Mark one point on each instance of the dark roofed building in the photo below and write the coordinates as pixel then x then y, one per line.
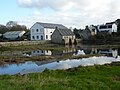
pixel 63 36
pixel 51 25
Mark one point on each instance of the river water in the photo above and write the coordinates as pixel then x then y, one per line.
pixel 39 66
pixel 109 55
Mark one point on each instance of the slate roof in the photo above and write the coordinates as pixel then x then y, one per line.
pixel 65 32
pixel 13 33
pixel 50 25
pixel 110 23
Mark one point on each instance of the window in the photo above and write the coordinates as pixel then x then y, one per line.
pixel 103 27
pixel 37 30
pixel 37 37
pixel 46 36
pixel 38 51
pixel 41 51
pixel 110 26
pixel 41 37
pixel 33 37
pixel 33 51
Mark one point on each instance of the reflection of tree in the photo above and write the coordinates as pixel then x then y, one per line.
pixel 4 66
pixel 87 51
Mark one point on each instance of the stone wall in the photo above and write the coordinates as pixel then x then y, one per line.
pixel 15 43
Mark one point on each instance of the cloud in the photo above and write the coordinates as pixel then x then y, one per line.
pixel 25 3
pixel 76 13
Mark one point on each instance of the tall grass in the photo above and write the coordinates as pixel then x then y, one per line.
pixel 105 77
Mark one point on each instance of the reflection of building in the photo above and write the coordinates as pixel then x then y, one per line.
pixel 41 52
pixel 107 52
pixel 119 51
pixel 79 52
pixel 37 53
pixel 69 50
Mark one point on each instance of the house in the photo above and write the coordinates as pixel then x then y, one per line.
pixel 63 36
pixel 108 27
pixel 13 35
pixel 43 31
pixel 88 32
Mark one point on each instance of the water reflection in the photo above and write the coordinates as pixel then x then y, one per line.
pixel 78 50
pixel 112 52
pixel 39 66
pixel 106 52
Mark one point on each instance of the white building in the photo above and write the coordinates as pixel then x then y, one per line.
pixel 108 27
pixel 43 31
pixel 12 35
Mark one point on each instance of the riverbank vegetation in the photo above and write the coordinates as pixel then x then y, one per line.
pixel 103 39
pixel 106 77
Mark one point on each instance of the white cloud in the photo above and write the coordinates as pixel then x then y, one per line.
pixel 73 12
pixel 25 3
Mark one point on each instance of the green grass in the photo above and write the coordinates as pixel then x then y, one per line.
pixel 32 47
pixel 105 77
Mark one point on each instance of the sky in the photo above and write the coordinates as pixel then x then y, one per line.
pixel 71 13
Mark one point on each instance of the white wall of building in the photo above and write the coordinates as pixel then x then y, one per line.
pixel 37 32
pixel 48 33
pixel 40 33
pixel 112 29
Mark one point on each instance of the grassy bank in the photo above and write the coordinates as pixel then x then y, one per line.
pixel 32 47
pixel 105 77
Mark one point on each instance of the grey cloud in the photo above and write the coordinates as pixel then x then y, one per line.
pixel 75 12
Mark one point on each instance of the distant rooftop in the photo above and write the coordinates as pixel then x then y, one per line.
pixel 51 25
pixel 13 32
pixel 110 22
